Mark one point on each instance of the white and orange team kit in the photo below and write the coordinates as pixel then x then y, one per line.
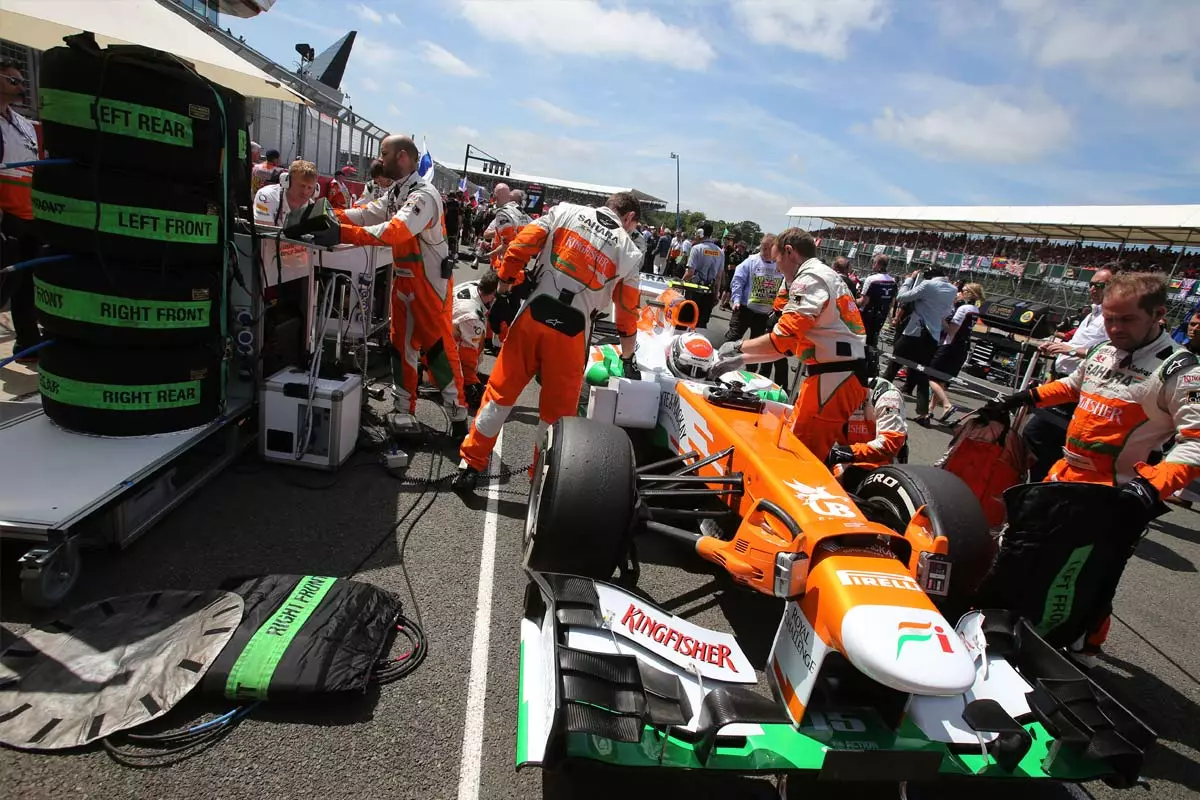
pixel 585 263
pixel 877 430
pixel 409 220
pixel 508 221
pixel 820 324
pixel 1128 405
pixel 469 316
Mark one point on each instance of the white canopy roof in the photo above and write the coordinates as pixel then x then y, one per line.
pixel 579 186
pixel 1159 225
pixel 42 24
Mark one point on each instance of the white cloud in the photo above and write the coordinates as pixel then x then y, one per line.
pixel 954 121
pixel 392 18
pixel 735 202
pixel 821 27
pixel 585 28
pixel 465 132
pixel 366 12
pixel 403 88
pixel 980 126
pixel 441 58
pixel 369 84
pixel 555 115
pixel 374 52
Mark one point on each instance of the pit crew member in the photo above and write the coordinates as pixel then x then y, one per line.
pixel 877 430
pixel 705 263
pixel 820 323
pixel 509 219
pixel 376 187
pixel 296 188
pixel 338 195
pixel 260 175
pixel 1046 432
pixel 409 219
pixel 1132 393
pixel 472 300
pixel 18 239
pixel 586 259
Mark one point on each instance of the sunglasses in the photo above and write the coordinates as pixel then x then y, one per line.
pixel 1098 284
pixel 14 81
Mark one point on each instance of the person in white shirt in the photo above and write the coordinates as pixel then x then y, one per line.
pixel 296 189
pixel 952 352
pixel 1046 432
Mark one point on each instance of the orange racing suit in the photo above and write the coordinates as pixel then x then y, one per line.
pixel 821 325
pixel 877 430
pixel 585 261
pixel 470 327
pixel 409 219
pixel 1129 404
pixel 509 220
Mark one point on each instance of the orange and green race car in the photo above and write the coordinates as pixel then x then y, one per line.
pixel 880 669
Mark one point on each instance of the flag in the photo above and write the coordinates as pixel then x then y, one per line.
pixel 478 194
pixel 462 185
pixel 425 166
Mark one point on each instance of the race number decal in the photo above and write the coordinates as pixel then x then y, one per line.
pixel 763 289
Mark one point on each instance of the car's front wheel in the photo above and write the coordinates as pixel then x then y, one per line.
pixel 582 499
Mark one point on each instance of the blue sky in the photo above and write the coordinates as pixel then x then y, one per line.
pixel 775 103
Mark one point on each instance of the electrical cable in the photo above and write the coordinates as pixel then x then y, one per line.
pixel 152 748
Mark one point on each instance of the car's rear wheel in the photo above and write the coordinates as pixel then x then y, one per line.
pixel 582 499
pixel 892 495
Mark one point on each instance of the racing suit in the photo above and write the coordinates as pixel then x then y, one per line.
pixel 509 220
pixel 371 192
pixel 585 260
pixel 338 195
pixel 821 325
pixel 879 291
pixel 409 219
pixel 470 326
pixel 877 430
pixel 1129 404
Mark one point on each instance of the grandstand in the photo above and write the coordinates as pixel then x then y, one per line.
pixel 1042 253
pixel 558 190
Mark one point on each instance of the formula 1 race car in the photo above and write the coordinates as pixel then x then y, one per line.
pixel 870 678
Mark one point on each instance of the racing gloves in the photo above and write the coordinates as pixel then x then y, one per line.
pixel 729 359
pixel 1140 501
pixel 839 454
pixel 630 368
pixel 1000 408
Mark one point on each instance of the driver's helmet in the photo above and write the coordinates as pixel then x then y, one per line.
pixel 690 356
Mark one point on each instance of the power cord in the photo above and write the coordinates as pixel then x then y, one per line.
pixel 152 748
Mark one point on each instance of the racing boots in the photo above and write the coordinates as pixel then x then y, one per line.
pixel 466 480
pixel 458 430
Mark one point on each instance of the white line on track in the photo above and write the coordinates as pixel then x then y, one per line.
pixel 472 744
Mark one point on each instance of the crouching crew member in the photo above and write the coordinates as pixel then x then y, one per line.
pixel 877 431
pixel 586 259
pixel 409 220
pixel 471 303
pixel 820 323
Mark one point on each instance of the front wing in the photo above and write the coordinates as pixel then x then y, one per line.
pixel 594 688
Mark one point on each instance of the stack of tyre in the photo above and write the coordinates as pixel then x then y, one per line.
pixel 139 219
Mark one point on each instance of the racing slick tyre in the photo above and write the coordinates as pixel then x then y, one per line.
pixel 582 500
pixel 123 393
pixel 106 305
pixel 141 220
pixel 891 495
pixel 142 110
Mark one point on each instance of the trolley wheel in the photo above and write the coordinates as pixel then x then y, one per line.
pixel 47 577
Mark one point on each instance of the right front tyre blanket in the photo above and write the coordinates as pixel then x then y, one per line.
pixel 130 392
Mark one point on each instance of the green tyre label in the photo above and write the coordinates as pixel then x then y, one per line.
pixel 251 674
pixel 121 312
pixel 1060 600
pixel 119 397
pixel 139 223
pixel 116 116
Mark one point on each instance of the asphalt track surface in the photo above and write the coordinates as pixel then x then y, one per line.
pixel 407 739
